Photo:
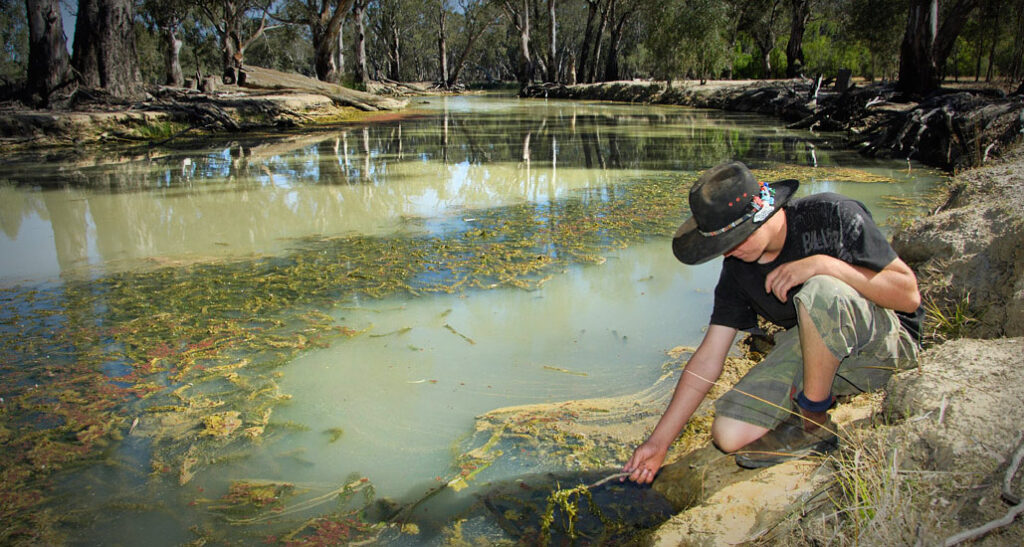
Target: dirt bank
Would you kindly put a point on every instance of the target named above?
(268, 100)
(969, 256)
(952, 129)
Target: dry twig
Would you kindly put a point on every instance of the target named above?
(1006, 519)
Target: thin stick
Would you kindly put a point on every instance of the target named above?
(607, 479)
(1014, 464)
(1006, 519)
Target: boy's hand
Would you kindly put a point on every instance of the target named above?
(780, 280)
(645, 463)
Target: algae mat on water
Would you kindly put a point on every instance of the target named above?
(189, 356)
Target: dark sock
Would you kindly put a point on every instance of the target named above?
(814, 413)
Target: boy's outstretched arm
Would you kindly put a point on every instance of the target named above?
(704, 367)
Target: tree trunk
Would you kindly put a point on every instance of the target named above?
(326, 32)
(992, 49)
(231, 21)
(324, 63)
(172, 59)
(1018, 45)
(525, 63)
(801, 12)
(359, 10)
(611, 69)
(474, 34)
(926, 45)
(48, 63)
(977, 58)
(766, 58)
(521, 20)
(442, 45)
(340, 51)
(395, 65)
(105, 56)
(585, 46)
(596, 59)
(231, 56)
(552, 51)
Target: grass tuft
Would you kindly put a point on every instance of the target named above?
(948, 319)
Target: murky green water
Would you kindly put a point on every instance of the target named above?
(356, 298)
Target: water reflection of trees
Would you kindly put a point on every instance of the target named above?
(590, 136)
(243, 194)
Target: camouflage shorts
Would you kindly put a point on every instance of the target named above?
(867, 339)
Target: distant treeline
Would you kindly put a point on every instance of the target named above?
(119, 44)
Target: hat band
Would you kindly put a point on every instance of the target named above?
(731, 225)
(762, 206)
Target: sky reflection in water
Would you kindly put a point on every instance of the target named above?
(403, 401)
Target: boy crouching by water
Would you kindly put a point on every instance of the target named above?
(817, 266)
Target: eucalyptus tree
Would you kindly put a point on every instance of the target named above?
(799, 15)
(167, 16)
(878, 25)
(989, 20)
(392, 22)
(573, 39)
(583, 58)
(442, 41)
(1016, 64)
(611, 18)
(104, 49)
(691, 37)
(324, 18)
(359, 44)
(930, 34)
(621, 13)
(539, 37)
(287, 49)
(762, 21)
(518, 14)
(474, 18)
(238, 24)
(552, 73)
(666, 60)
(15, 39)
(590, 72)
(49, 66)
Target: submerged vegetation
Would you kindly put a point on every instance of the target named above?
(187, 358)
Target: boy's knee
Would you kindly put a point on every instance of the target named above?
(823, 300)
(824, 288)
(730, 434)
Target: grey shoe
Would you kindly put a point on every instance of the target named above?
(789, 441)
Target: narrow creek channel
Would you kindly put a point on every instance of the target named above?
(291, 338)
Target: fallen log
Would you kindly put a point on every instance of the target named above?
(273, 80)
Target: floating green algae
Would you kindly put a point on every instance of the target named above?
(830, 173)
(333, 434)
(188, 356)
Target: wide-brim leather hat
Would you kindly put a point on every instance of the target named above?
(727, 204)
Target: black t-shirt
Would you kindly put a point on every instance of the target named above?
(826, 223)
